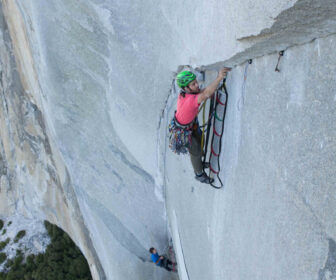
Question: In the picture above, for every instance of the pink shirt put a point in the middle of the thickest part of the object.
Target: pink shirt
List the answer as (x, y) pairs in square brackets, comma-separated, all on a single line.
[(187, 108)]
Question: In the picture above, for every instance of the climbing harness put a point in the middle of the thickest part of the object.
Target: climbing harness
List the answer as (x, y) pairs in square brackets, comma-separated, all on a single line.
[(281, 53), (242, 97), (180, 136)]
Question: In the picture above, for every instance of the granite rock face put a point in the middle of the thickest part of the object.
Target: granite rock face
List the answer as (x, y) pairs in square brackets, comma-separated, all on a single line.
[(274, 217), (34, 181), (86, 94)]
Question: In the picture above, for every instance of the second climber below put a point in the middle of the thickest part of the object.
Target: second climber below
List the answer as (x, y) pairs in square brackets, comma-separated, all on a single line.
[(186, 113)]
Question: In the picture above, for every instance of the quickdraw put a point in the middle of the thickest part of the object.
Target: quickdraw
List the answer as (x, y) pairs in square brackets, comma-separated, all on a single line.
[(281, 53)]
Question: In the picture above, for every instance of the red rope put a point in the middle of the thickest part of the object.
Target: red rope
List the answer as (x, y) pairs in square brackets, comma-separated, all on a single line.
[(218, 100), (216, 172), (213, 152), (214, 130)]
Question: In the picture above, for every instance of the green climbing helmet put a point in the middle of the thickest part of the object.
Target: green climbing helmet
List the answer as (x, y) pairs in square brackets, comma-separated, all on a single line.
[(184, 78)]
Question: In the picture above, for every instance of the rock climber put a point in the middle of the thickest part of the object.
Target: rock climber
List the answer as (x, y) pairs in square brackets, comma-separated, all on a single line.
[(160, 260), (185, 135)]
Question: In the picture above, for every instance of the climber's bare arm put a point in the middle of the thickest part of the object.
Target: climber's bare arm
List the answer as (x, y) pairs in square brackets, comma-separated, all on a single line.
[(210, 89)]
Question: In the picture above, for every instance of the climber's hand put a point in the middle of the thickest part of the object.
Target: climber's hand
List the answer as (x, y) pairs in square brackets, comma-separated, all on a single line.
[(223, 72), (210, 89)]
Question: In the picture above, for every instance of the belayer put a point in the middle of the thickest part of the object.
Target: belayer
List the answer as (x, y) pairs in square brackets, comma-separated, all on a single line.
[(185, 134), (161, 260)]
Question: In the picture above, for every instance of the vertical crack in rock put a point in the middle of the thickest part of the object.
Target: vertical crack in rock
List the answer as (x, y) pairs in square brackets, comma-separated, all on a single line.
[(328, 272)]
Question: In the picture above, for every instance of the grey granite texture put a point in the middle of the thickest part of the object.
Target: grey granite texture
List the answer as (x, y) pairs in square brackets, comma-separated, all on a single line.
[(33, 182), (275, 216), (90, 120)]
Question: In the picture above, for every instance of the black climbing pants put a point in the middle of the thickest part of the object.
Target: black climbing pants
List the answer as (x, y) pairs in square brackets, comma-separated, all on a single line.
[(195, 151), (165, 263)]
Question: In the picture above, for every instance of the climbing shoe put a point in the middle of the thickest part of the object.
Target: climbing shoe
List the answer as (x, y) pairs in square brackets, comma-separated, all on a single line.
[(204, 178)]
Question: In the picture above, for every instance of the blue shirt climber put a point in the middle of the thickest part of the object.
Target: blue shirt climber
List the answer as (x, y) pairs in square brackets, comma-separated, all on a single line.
[(161, 260), (156, 258)]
